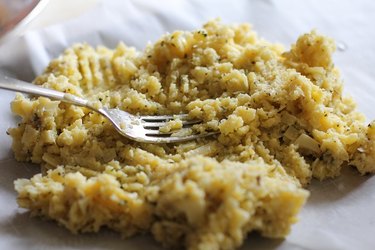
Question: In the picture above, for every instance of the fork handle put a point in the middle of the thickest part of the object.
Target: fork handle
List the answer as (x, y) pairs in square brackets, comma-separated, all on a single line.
[(13, 84)]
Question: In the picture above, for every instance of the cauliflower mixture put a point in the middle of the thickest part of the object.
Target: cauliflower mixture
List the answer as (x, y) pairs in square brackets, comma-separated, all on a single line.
[(282, 120)]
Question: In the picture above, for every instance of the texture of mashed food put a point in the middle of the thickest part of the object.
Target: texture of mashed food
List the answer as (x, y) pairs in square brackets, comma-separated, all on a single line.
[(282, 120)]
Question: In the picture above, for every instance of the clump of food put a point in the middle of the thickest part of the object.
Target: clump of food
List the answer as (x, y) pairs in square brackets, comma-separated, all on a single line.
[(282, 120)]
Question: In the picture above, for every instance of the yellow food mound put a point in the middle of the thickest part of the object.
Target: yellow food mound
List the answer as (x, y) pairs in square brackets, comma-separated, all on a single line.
[(282, 121)]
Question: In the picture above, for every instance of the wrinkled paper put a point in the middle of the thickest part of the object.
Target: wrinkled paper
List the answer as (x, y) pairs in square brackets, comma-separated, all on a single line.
[(339, 214)]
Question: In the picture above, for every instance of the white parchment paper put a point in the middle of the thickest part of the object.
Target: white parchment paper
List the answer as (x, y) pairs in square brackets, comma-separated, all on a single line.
[(340, 212)]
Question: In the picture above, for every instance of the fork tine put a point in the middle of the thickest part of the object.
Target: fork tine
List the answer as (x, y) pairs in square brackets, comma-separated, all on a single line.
[(156, 132), (174, 139), (153, 118), (160, 124)]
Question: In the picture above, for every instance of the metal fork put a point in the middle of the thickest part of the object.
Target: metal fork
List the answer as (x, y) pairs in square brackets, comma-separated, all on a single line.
[(137, 128)]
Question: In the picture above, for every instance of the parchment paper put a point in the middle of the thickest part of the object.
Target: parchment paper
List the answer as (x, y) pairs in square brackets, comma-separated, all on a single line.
[(339, 213)]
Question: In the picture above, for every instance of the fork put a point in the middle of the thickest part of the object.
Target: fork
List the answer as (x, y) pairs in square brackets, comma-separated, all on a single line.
[(135, 127)]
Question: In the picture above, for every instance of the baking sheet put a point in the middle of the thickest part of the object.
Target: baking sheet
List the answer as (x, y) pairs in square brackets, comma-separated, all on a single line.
[(339, 213)]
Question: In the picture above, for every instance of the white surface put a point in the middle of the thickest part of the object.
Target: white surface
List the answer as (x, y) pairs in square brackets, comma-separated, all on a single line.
[(58, 11), (339, 213)]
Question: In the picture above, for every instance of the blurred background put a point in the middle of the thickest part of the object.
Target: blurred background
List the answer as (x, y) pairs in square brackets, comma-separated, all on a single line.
[(52, 11)]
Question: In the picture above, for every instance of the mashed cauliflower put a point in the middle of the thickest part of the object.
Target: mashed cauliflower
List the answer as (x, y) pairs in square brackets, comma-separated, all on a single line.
[(282, 120)]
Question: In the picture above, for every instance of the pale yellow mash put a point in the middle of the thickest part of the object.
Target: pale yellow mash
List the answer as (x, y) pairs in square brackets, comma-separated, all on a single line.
[(282, 120)]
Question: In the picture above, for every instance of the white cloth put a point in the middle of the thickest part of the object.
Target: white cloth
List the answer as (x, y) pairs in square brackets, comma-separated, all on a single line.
[(339, 213)]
